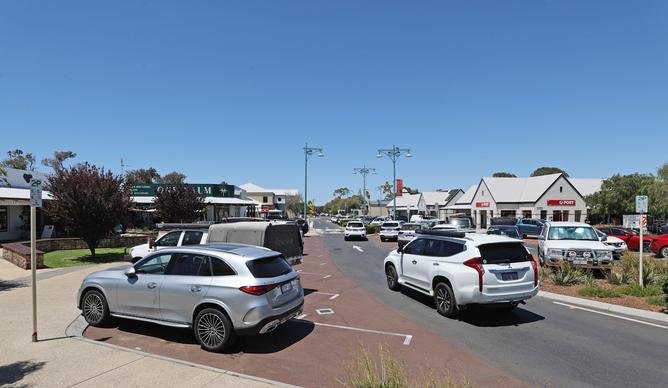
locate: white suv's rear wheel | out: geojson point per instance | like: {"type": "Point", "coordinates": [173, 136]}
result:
{"type": "Point", "coordinates": [392, 278]}
{"type": "Point", "coordinates": [444, 299]}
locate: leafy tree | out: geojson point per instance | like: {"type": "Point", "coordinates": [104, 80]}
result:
{"type": "Point", "coordinates": [173, 178]}
{"type": "Point", "coordinates": [341, 192]}
{"type": "Point", "coordinates": [617, 195]}
{"type": "Point", "coordinates": [294, 204]}
{"type": "Point", "coordinates": [179, 203]}
{"type": "Point", "coordinates": [58, 158]}
{"type": "Point", "coordinates": [142, 176]}
{"type": "Point", "coordinates": [19, 160]}
{"type": "Point", "coordinates": [87, 202]}
{"type": "Point", "coordinates": [502, 174]}
{"type": "Point", "coordinates": [3, 176]}
{"type": "Point", "coordinates": [547, 171]}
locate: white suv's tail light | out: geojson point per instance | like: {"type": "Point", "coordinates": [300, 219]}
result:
{"type": "Point", "coordinates": [535, 270]}
{"type": "Point", "coordinates": [476, 263]}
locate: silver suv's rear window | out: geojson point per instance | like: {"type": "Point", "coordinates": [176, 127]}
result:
{"type": "Point", "coordinates": [503, 253]}
{"type": "Point", "coordinates": [269, 267]}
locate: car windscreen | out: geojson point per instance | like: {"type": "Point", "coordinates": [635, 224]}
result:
{"type": "Point", "coordinates": [461, 222]}
{"type": "Point", "coordinates": [390, 225]}
{"type": "Point", "coordinates": [510, 232]}
{"type": "Point", "coordinates": [355, 225]}
{"type": "Point", "coordinates": [585, 233]}
{"type": "Point", "coordinates": [496, 253]}
{"type": "Point", "coordinates": [269, 267]}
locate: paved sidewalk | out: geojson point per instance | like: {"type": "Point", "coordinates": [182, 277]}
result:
{"type": "Point", "coordinates": [61, 361]}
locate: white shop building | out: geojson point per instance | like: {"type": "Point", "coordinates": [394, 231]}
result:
{"type": "Point", "coordinates": [551, 197]}
{"type": "Point", "coordinates": [15, 204]}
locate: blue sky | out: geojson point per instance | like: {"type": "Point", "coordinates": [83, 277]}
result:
{"type": "Point", "coordinates": [231, 90]}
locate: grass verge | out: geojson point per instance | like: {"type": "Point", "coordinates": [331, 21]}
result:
{"type": "Point", "coordinates": [71, 258]}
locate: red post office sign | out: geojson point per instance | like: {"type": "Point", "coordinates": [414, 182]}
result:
{"type": "Point", "coordinates": [482, 204]}
{"type": "Point", "coordinates": [560, 202]}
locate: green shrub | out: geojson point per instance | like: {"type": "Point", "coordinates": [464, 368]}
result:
{"type": "Point", "coordinates": [651, 269]}
{"type": "Point", "coordinates": [343, 223]}
{"type": "Point", "coordinates": [371, 229]}
{"type": "Point", "coordinates": [619, 277]}
{"type": "Point", "coordinates": [657, 300]}
{"type": "Point", "coordinates": [599, 292]}
{"type": "Point", "coordinates": [664, 288]}
{"type": "Point", "coordinates": [566, 275]}
{"type": "Point", "coordinates": [636, 290]}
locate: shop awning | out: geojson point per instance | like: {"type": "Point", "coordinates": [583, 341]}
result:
{"type": "Point", "coordinates": [11, 196]}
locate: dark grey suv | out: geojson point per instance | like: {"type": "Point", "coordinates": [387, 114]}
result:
{"type": "Point", "coordinates": [219, 291]}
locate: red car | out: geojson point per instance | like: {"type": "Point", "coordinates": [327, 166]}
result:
{"type": "Point", "coordinates": [631, 239]}
{"type": "Point", "coordinates": [659, 245]}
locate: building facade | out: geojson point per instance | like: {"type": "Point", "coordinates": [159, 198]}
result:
{"type": "Point", "coordinates": [15, 204]}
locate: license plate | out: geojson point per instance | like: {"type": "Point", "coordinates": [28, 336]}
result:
{"type": "Point", "coordinates": [509, 276]}
{"type": "Point", "coordinates": [286, 287]}
{"type": "Point", "coordinates": [580, 262]}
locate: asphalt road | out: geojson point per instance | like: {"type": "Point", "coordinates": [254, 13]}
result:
{"type": "Point", "coordinates": [542, 343]}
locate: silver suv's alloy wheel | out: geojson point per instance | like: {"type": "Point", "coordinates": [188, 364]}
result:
{"type": "Point", "coordinates": [211, 330]}
{"type": "Point", "coordinates": [94, 308]}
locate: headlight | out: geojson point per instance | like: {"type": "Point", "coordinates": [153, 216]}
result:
{"type": "Point", "coordinates": [556, 253]}
{"type": "Point", "coordinates": [603, 255]}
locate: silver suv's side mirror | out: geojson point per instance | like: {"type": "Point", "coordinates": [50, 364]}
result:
{"type": "Point", "coordinates": [130, 272]}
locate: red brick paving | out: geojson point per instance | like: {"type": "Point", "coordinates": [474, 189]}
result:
{"type": "Point", "coordinates": [305, 354]}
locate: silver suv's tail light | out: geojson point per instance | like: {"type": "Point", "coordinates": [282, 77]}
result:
{"type": "Point", "coordinates": [258, 290]}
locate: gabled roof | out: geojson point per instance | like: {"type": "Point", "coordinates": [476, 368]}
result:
{"type": "Point", "coordinates": [407, 200]}
{"type": "Point", "coordinates": [586, 186]}
{"type": "Point", "coordinates": [468, 196]}
{"type": "Point", "coordinates": [519, 189]}
{"type": "Point", "coordinates": [433, 198]}
{"type": "Point", "coordinates": [253, 188]}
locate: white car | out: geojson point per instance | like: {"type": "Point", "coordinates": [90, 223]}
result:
{"type": "Point", "coordinates": [354, 229]}
{"type": "Point", "coordinates": [459, 269]}
{"type": "Point", "coordinates": [617, 244]}
{"type": "Point", "coordinates": [171, 239]}
{"type": "Point", "coordinates": [408, 232]}
{"type": "Point", "coordinates": [389, 230]}
{"type": "Point", "coordinates": [378, 221]}
{"type": "Point", "coordinates": [574, 242]}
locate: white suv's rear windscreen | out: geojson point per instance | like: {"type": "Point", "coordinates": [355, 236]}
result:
{"type": "Point", "coordinates": [498, 253]}
{"type": "Point", "coordinates": [390, 225]}
{"type": "Point", "coordinates": [355, 225]}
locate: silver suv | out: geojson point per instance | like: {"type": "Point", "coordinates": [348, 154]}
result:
{"type": "Point", "coordinates": [219, 291]}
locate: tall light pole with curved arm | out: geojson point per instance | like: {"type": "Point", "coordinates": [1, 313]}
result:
{"type": "Point", "coordinates": [308, 151]}
{"type": "Point", "coordinates": [394, 153]}
{"type": "Point", "coordinates": [364, 171]}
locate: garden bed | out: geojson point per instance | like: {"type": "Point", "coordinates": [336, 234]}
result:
{"type": "Point", "coordinates": [74, 257]}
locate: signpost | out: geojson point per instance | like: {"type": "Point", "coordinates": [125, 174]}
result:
{"type": "Point", "coordinates": [35, 202]}
{"type": "Point", "coordinates": [642, 202]}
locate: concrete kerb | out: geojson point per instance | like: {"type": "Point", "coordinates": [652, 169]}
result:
{"type": "Point", "coordinates": [78, 326]}
{"type": "Point", "coordinates": [606, 307]}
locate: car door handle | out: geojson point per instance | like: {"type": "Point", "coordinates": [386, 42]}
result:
{"type": "Point", "coordinates": [414, 261]}
{"type": "Point", "coordinates": [195, 288]}
{"type": "Point", "coordinates": [151, 285]}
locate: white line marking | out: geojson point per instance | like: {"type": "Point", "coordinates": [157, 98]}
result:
{"type": "Point", "coordinates": [301, 316]}
{"type": "Point", "coordinates": [357, 248]}
{"type": "Point", "coordinates": [332, 296]}
{"type": "Point", "coordinates": [324, 276]}
{"type": "Point", "coordinates": [326, 311]}
{"type": "Point", "coordinates": [323, 263]}
{"type": "Point", "coordinates": [611, 315]}
{"type": "Point", "coordinates": [407, 337]}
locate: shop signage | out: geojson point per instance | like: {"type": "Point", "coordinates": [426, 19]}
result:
{"type": "Point", "coordinates": [208, 190]}
{"type": "Point", "coordinates": [560, 202]}
{"type": "Point", "coordinates": [482, 204]}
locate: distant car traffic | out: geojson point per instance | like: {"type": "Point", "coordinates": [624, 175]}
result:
{"type": "Point", "coordinates": [378, 221]}
{"type": "Point", "coordinates": [389, 230]}
{"type": "Point", "coordinates": [525, 226]}
{"type": "Point", "coordinates": [505, 230]}
{"type": "Point", "coordinates": [218, 291]}
{"type": "Point", "coordinates": [630, 237]}
{"type": "Point", "coordinates": [576, 243]}
{"type": "Point", "coordinates": [459, 269]}
{"type": "Point", "coordinates": [354, 229]}
{"type": "Point", "coordinates": [618, 245]}
{"type": "Point", "coordinates": [462, 223]}
{"type": "Point", "coordinates": [408, 232]}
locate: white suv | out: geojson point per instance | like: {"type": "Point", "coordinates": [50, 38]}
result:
{"type": "Point", "coordinates": [574, 242]}
{"type": "Point", "coordinates": [459, 269]}
{"type": "Point", "coordinates": [355, 229]}
{"type": "Point", "coordinates": [390, 230]}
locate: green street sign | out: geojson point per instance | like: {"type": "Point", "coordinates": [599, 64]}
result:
{"type": "Point", "coordinates": [206, 189]}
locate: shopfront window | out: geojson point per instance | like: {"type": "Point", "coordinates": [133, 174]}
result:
{"type": "Point", "coordinates": [578, 215]}
{"type": "Point", "coordinates": [508, 213]}
{"type": "Point", "coordinates": [4, 218]}
{"type": "Point", "coordinates": [526, 213]}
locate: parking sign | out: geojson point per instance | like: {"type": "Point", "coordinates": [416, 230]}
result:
{"type": "Point", "coordinates": [641, 203]}
{"type": "Point", "coordinates": [36, 193]}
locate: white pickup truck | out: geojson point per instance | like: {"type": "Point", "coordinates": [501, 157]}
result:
{"type": "Point", "coordinates": [172, 238]}
{"type": "Point", "coordinates": [576, 243]}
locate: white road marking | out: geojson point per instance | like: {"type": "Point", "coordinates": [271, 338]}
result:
{"type": "Point", "coordinates": [327, 311]}
{"type": "Point", "coordinates": [323, 263]}
{"type": "Point", "coordinates": [301, 316]}
{"type": "Point", "coordinates": [407, 337]}
{"type": "Point", "coordinates": [357, 248]}
{"type": "Point", "coordinates": [324, 275]}
{"type": "Point", "coordinates": [332, 296]}
{"type": "Point", "coordinates": [611, 315]}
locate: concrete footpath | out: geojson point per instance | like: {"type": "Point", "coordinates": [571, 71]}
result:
{"type": "Point", "coordinates": [62, 360]}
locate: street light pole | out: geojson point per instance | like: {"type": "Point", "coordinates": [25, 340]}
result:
{"type": "Point", "coordinates": [364, 171]}
{"type": "Point", "coordinates": [394, 153]}
{"type": "Point", "coordinates": [308, 151]}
